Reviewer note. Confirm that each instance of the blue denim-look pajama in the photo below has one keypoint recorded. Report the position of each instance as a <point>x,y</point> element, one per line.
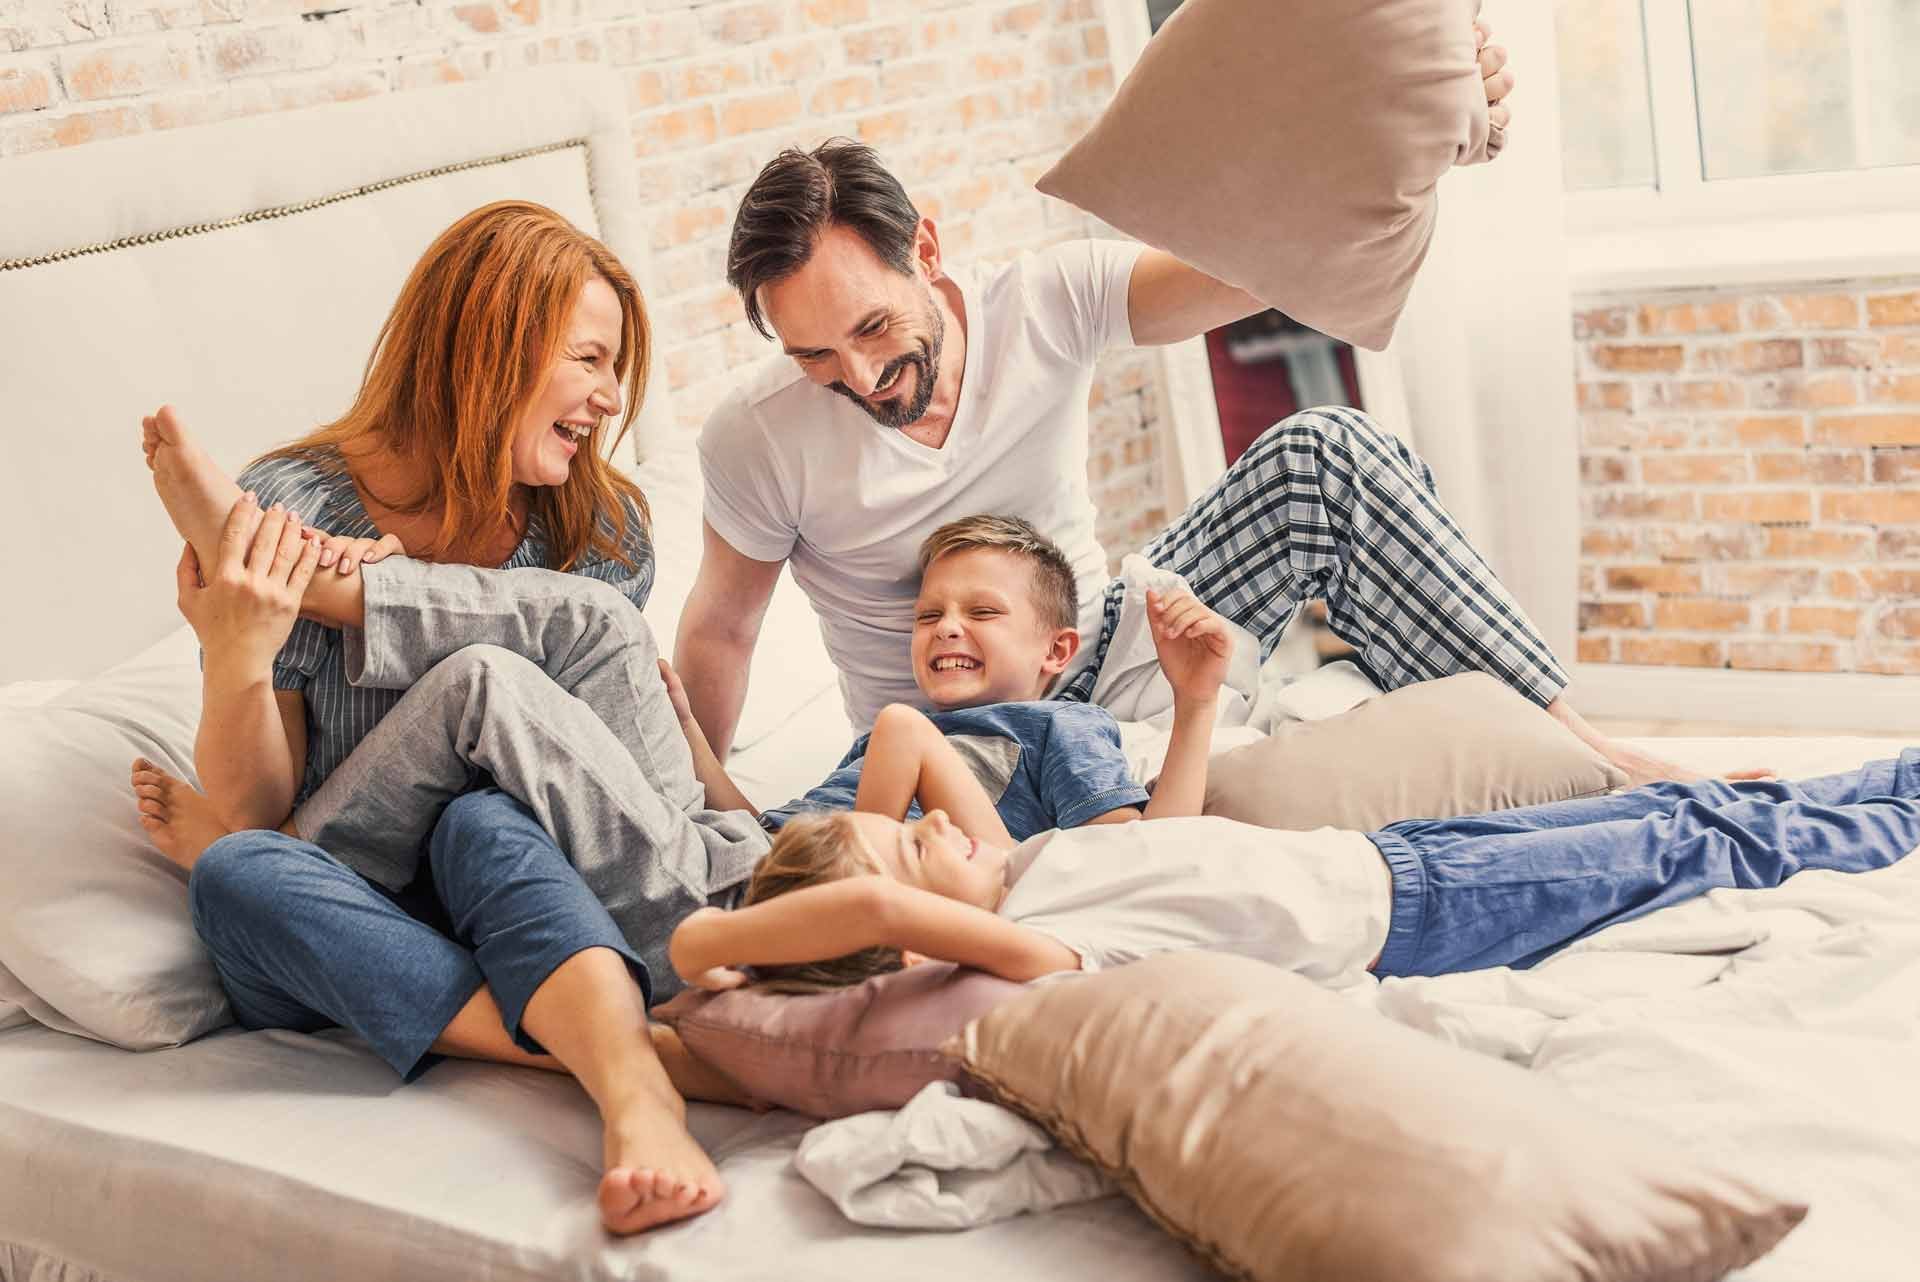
<point>301,941</point>
<point>1510,887</point>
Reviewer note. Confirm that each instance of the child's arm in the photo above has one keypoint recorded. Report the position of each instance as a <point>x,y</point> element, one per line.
<point>1194,646</point>
<point>844,917</point>
<point>722,792</point>
<point>907,759</point>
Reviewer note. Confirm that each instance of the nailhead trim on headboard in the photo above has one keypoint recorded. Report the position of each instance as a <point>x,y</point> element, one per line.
<point>282,211</point>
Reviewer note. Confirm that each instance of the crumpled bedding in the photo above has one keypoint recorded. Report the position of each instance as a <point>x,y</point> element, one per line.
<point>942,1162</point>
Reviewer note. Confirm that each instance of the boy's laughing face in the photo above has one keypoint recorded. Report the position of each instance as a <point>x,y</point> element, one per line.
<point>978,635</point>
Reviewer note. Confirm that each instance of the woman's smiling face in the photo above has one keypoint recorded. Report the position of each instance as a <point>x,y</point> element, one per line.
<point>581,388</point>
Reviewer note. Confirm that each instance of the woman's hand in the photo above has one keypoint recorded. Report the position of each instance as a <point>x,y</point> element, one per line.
<point>346,555</point>
<point>1193,644</point>
<point>244,608</point>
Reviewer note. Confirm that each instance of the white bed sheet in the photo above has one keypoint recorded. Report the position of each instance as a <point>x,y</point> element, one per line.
<point>251,1155</point>
<point>275,1155</point>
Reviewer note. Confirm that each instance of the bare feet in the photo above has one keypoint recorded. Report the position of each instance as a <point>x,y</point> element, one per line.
<point>655,1171</point>
<point>1640,768</point>
<point>193,489</point>
<point>180,821</point>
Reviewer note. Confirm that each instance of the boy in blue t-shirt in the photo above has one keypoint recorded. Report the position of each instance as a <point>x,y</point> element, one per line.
<point>993,628</point>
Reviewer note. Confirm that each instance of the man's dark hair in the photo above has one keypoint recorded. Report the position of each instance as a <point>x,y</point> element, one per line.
<point>798,195</point>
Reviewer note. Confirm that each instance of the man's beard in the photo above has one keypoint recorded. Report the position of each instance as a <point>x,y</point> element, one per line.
<point>926,363</point>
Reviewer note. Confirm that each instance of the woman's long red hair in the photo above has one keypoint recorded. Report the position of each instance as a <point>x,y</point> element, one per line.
<point>464,351</point>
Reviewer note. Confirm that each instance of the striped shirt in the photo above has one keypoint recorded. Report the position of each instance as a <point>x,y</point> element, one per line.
<point>317,488</point>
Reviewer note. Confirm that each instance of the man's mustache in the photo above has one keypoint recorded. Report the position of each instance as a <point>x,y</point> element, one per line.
<point>887,372</point>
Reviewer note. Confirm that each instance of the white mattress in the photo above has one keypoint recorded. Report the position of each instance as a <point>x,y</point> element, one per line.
<point>274,1155</point>
<point>257,1155</point>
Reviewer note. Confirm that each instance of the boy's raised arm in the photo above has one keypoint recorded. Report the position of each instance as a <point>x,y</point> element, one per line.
<point>1194,646</point>
<point>909,760</point>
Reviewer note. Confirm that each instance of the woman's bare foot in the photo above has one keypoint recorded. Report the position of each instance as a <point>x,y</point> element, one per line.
<point>193,489</point>
<point>180,821</point>
<point>655,1171</point>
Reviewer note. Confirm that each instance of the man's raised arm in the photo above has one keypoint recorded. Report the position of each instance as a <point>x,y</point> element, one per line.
<point>1170,302</point>
<point>718,630</point>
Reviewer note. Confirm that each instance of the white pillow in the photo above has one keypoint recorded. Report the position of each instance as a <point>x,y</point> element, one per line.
<point>96,938</point>
<point>790,664</point>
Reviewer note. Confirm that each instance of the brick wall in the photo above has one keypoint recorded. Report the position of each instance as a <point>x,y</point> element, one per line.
<point>1750,478</point>
<point>968,102</point>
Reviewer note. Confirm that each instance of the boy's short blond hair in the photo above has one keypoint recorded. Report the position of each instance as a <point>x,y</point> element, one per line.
<point>1055,594</point>
<point>815,850</point>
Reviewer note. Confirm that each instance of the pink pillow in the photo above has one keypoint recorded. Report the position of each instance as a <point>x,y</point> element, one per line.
<point>837,1053</point>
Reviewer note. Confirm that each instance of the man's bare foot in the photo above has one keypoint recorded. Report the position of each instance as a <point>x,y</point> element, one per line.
<point>1640,768</point>
<point>180,821</point>
<point>655,1171</point>
<point>193,489</point>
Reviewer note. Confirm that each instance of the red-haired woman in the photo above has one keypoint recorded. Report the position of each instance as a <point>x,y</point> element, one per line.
<point>475,441</point>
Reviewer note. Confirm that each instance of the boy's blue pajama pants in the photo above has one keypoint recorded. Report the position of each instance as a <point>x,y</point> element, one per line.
<point>1508,888</point>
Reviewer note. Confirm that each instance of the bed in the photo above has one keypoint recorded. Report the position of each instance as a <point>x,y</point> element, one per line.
<point>240,270</point>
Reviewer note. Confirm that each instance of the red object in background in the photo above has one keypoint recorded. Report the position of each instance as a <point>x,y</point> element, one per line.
<point>1254,394</point>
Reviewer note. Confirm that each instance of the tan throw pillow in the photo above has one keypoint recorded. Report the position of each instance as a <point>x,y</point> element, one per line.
<point>1291,148</point>
<point>1284,1132</point>
<point>1462,745</point>
<point>834,1054</point>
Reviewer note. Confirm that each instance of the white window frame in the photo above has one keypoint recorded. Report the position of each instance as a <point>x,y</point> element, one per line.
<point>1690,232</point>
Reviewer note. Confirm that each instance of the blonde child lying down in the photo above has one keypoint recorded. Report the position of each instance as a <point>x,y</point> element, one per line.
<point>842,897</point>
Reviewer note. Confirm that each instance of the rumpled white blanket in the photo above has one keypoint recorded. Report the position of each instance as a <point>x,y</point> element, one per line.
<point>942,1162</point>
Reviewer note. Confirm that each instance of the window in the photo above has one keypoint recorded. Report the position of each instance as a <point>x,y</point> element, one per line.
<point>1775,87</point>
<point>1793,86</point>
<point>1605,112</point>
<point>1738,141</point>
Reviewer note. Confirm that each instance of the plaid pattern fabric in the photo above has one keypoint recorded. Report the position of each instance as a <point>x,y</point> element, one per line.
<point>1328,504</point>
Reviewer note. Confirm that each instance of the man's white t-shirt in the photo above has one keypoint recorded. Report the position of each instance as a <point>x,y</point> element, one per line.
<point>1318,902</point>
<point>798,473</point>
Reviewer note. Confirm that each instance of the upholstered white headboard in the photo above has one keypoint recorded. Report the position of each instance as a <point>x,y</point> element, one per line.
<point>240,271</point>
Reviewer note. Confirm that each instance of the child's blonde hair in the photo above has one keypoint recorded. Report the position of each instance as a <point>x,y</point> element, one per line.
<point>815,850</point>
<point>1055,595</point>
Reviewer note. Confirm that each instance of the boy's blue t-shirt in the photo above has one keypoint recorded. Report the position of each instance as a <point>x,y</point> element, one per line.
<point>1051,763</point>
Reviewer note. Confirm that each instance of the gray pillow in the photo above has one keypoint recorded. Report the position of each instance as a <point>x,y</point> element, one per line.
<point>96,939</point>
<point>1462,745</point>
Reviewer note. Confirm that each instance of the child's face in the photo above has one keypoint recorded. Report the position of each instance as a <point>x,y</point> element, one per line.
<point>978,637</point>
<point>932,854</point>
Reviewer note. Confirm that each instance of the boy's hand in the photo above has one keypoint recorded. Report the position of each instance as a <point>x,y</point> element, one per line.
<point>676,693</point>
<point>244,608</point>
<point>1193,644</point>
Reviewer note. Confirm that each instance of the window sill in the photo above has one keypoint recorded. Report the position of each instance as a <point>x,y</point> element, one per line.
<point>1755,231</point>
<point>1755,252</point>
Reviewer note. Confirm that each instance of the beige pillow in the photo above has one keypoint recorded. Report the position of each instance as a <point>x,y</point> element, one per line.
<point>1284,1132</point>
<point>1462,745</point>
<point>1291,148</point>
